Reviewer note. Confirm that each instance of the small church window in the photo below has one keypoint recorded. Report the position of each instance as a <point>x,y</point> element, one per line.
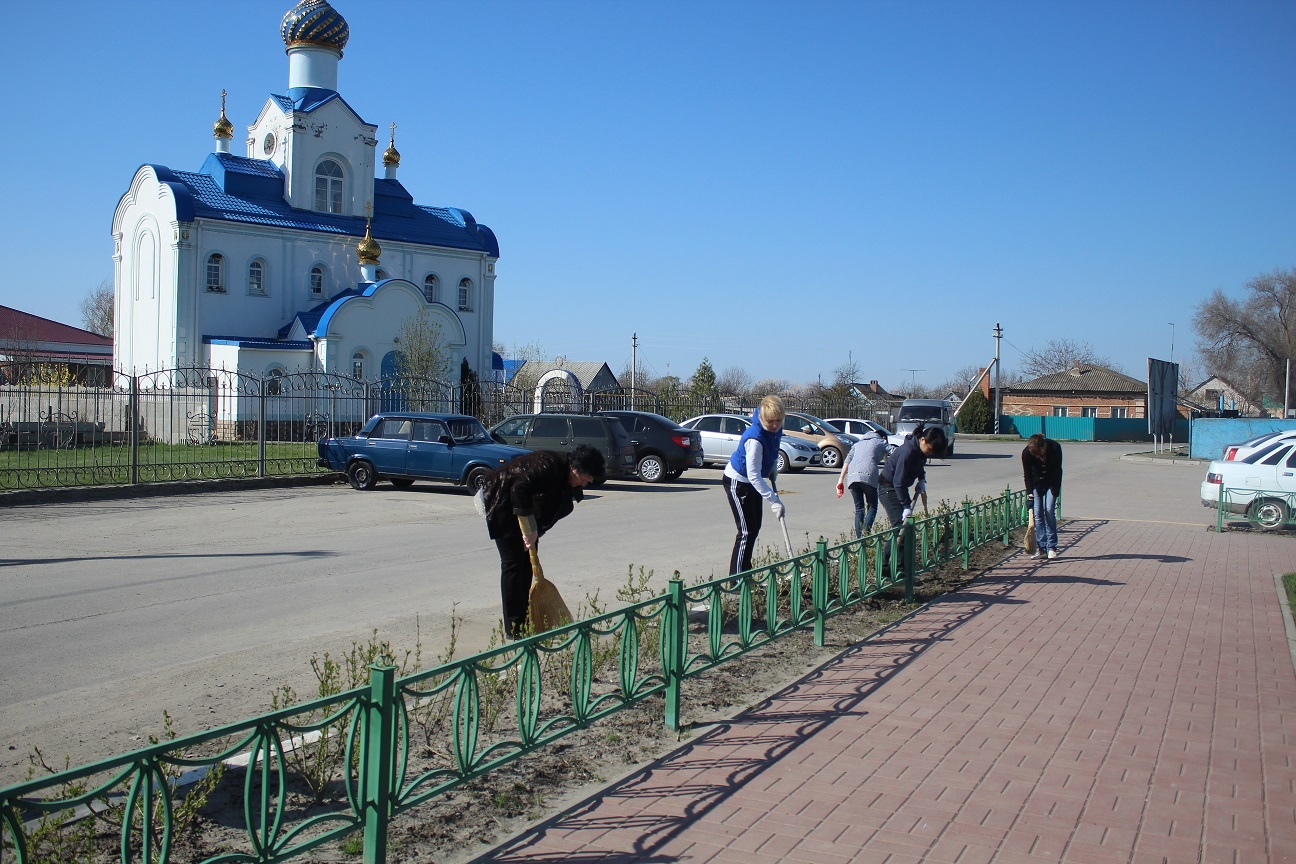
<point>430,288</point>
<point>317,280</point>
<point>357,364</point>
<point>328,187</point>
<point>215,273</point>
<point>256,278</point>
<point>465,294</point>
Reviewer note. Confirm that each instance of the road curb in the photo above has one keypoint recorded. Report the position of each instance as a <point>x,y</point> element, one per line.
<point>24,497</point>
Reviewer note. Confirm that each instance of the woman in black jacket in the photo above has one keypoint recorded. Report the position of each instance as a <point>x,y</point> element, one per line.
<point>1042,472</point>
<point>541,488</point>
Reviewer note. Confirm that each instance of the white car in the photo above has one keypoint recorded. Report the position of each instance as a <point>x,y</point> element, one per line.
<point>855,426</point>
<point>720,434</point>
<point>1261,485</point>
<point>1235,452</point>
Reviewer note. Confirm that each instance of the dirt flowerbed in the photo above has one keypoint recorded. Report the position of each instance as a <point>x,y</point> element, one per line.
<point>463,823</point>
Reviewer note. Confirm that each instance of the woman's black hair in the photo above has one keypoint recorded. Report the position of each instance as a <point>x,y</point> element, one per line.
<point>934,436</point>
<point>589,461</point>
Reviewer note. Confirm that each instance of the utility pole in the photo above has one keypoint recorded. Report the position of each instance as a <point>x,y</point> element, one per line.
<point>998,405</point>
<point>634,366</point>
<point>913,379</point>
<point>1171,323</point>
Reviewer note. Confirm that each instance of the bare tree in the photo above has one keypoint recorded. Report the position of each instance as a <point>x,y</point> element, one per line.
<point>734,381</point>
<point>961,381</point>
<point>423,351</point>
<point>97,309</point>
<point>1059,355</point>
<point>1249,342</point>
<point>528,353</point>
<point>766,386</point>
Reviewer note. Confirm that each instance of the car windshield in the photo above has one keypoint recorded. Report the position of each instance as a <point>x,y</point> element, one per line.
<point>467,430</point>
<point>920,412</point>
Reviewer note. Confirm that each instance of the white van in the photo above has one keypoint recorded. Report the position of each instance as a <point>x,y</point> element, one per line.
<point>926,412</point>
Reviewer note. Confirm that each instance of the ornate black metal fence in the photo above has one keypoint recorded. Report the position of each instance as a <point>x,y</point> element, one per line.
<point>199,423</point>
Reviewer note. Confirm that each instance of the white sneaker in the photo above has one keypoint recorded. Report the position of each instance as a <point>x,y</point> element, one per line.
<point>1036,555</point>
<point>1052,554</point>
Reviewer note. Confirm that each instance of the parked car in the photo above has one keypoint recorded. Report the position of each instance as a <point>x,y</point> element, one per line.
<point>833,445</point>
<point>720,434</point>
<point>564,432</point>
<point>404,446</point>
<point>1235,452</point>
<point>1261,485</point>
<point>857,427</point>
<point>926,412</point>
<point>663,449</point>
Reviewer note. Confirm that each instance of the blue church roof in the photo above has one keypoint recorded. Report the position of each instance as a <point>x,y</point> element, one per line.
<point>251,191</point>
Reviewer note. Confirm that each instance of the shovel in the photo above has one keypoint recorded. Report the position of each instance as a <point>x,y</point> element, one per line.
<point>782,521</point>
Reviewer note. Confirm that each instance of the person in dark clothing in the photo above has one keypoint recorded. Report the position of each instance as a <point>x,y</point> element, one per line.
<point>1042,473</point>
<point>541,487</point>
<point>905,467</point>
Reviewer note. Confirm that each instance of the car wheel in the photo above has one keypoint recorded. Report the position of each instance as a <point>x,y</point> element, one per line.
<point>1269,513</point>
<point>651,468</point>
<point>402,482</point>
<point>362,476</point>
<point>782,462</point>
<point>831,457</point>
<point>477,478</point>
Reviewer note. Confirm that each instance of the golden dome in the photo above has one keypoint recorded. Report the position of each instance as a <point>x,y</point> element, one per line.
<point>368,250</point>
<point>391,156</point>
<point>223,128</point>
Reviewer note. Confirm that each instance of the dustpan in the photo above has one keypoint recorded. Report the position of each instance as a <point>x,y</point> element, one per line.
<point>546,607</point>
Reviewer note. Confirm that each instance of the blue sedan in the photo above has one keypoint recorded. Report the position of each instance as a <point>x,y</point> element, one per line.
<point>403,447</point>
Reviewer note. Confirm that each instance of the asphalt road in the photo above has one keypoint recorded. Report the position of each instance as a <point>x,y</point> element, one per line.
<point>111,611</point>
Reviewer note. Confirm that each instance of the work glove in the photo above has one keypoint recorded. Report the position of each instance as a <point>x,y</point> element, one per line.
<point>777,508</point>
<point>921,487</point>
<point>905,514</point>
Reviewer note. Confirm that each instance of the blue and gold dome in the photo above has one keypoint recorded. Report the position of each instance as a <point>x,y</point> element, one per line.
<point>314,22</point>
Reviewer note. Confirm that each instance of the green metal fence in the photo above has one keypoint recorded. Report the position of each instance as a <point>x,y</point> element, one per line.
<point>315,772</point>
<point>1270,509</point>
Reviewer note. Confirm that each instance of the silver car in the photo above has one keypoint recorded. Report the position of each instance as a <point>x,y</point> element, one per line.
<point>720,434</point>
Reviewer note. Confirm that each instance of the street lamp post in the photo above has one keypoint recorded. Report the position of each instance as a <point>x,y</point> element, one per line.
<point>1171,323</point>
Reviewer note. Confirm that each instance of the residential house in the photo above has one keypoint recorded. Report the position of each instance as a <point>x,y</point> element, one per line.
<point>1217,394</point>
<point>1082,391</point>
<point>55,353</point>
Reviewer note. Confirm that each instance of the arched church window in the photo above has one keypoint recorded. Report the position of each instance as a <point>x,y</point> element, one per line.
<point>430,288</point>
<point>465,294</point>
<point>357,364</point>
<point>381,274</point>
<point>256,277</point>
<point>216,272</point>
<point>328,187</point>
<point>274,381</point>
<point>317,280</point>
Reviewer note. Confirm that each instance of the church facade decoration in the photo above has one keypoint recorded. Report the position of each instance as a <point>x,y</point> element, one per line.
<point>295,256</point>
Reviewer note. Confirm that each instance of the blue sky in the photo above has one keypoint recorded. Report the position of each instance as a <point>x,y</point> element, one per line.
<point>775,186</point>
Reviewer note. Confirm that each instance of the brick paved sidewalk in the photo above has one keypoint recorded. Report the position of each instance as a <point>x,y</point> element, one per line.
<point>1133,700</point>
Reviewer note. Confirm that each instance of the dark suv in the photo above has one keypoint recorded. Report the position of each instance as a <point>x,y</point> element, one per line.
<point>663,449</point>
<point>563,432</point>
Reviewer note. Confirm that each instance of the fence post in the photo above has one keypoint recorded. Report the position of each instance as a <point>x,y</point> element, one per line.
<point>1219,510</point>
<point>674,633</point>
<point>907,557</point>
<point>819,589</point>
<point>133,409</point>
<point>967,533</point>
<point>261,428</point>
<point>1004,522</point>
<point>378,759</point>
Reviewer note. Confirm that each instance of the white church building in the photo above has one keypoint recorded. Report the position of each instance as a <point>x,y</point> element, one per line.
<point>295,257</point>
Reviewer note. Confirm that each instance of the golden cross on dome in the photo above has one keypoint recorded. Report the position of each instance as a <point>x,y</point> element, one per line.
<point>393,134</point>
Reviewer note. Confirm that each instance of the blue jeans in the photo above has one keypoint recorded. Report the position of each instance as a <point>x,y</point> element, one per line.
<point>866,506</point>
<point>1045,519</point>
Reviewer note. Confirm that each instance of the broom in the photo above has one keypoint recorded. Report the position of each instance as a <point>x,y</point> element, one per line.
<point>1031,545</point>
<point>547,609</point>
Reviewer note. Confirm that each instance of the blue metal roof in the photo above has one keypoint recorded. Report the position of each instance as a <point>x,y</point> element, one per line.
<point>310,318</point>
<point>307,99</point>
<point>251,191</point>
<point>242,342</point>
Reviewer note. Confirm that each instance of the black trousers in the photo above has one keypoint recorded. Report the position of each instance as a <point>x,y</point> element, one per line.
<point>515,582</point>
<point>745,502</point>
<point>890,502</point>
